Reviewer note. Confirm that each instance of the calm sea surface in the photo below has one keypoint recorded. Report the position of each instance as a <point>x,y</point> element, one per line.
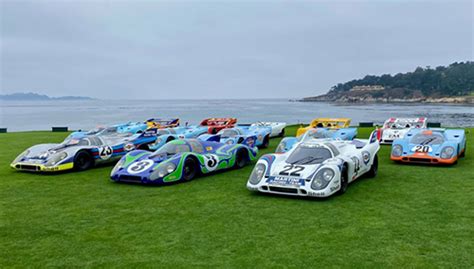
<point>42,115</point>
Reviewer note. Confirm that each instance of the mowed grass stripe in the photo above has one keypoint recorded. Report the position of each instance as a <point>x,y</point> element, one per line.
<point>408,216</point>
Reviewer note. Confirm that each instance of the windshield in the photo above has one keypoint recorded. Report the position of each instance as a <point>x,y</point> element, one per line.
<point>309,154</point>
<point>228,133</point>
<point>95,131</point>
<point>163,132</point>
<point>319,134</point>
<point>171,149</point>
<point>76,142</point>
<point>109,130</point>
<point>432,139</point>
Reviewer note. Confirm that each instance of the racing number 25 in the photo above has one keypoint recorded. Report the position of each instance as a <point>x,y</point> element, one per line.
<point>287,170</point>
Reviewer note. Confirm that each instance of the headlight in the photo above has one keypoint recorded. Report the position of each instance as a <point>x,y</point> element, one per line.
<point>162,171</point>
<point>229,142</point>
<point>397,150</point>
<point>281,147</point>
<point>257,174</point>
<point>118,165</point>
<point>322,178</point>
<point>21,156</point>
<point>447,152</point>
<point>56,158</point>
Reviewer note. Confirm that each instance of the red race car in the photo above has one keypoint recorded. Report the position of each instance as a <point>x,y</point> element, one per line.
<point>216,124</point>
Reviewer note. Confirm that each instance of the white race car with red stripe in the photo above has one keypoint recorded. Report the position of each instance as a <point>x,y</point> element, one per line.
<point>395,128</point>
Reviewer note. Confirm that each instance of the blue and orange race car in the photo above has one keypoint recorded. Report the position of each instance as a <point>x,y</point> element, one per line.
<point>430,146</point>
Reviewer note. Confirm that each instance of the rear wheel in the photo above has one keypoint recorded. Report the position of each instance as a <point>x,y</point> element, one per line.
<point>374,168</point>
<point>266,142</point>
<point>240,158</point>
<point>170,138</point>
<point>282,133</point>
<point>344,181</point>
<point>83,161</point>
<point>189,169</point>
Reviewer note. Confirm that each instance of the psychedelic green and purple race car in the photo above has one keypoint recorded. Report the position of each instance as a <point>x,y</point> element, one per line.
<point>180,161</point>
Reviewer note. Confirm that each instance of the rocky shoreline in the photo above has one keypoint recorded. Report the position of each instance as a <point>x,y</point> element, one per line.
<point>370,99</point>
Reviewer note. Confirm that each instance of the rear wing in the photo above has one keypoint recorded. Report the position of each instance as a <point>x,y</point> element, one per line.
<point>332,123</point>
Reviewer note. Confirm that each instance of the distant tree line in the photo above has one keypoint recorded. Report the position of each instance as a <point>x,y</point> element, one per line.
<point>456,79</point>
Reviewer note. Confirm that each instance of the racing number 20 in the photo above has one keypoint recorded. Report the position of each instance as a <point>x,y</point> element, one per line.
<point>287,170</point>
<point>422,148</point>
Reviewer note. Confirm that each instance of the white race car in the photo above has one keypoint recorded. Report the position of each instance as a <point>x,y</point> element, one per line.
<point>395,128</point>
<point>278,128</point>
<point>317,168</point>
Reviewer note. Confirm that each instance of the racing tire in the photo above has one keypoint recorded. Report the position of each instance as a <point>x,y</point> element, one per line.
<point>282,133</point>
<point>344,181</point>
<point>374,168</point>
<point>170,138</point>
<point>241,158</point>
<point>189,169</point>
<point>266,141</point>
<point>83,161</point>
<point>463,154</point>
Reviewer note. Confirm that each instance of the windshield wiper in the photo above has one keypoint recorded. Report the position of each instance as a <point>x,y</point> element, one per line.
<point>308,160</point>
<point>428,140</point>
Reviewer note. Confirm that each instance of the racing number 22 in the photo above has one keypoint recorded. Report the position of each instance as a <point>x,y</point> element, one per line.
<point>287,170</point>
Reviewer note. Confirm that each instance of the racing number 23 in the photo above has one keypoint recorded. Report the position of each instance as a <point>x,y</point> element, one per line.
<point>287,171</point>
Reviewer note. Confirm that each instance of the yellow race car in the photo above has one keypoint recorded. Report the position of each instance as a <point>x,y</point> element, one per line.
<point>330,123</point>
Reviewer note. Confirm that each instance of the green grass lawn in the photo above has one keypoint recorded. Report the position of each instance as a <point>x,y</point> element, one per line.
<point>408,216</point>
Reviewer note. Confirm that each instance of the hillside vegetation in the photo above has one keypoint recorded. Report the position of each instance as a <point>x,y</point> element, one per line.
<point>454,83</point>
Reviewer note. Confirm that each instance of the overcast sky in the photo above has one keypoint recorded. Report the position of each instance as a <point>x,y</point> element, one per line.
<point>238,49</point>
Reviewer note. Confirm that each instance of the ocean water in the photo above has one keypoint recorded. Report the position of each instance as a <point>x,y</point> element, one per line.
<point>42,115</point>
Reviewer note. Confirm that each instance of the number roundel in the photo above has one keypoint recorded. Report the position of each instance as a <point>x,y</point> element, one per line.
<point>139,166</point>
<point>211,161</point>
<point>105,152</point>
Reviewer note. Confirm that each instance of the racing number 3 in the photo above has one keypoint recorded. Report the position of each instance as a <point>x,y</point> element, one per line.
<point>287,170</point>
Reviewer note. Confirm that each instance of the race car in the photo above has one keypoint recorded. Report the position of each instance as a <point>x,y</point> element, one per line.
<point>277,128</point>
<point>170,134</point>
<point>129,127</point>
<point>214,125</point>
<point>236,135</point>
<point>81,153</point>
<point>287,143</point>
<point>430,146</point>
<point>316,168</point>
<point>162,123</point>
<point>394,128</point>
<point>335,123</point>
<point>181,161</point>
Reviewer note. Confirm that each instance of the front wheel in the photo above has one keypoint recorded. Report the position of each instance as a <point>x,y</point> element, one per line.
<point>374,168</point>
<point>344,181</point>
<point>189,169</point>
<point>83,161</point>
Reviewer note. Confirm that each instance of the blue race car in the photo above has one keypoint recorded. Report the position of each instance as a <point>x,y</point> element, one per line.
<point>236,135</point>
<point>181,161</point>
<point>430,146</point>
<point>170,134</point>
<point>287,143</point>
<point>129,127</point>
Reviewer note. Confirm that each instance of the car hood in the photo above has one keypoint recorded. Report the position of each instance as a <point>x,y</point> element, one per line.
<point>283,169</point>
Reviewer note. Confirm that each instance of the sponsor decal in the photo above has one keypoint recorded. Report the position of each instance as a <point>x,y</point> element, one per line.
<point>140,166</point>
<point>285,181</point>
<point>334,188</point>
<point>129,147</point>
<point>317,194</point>
<point>356,164</point>
<point>208,148</point>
